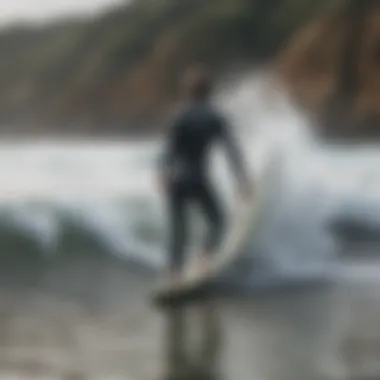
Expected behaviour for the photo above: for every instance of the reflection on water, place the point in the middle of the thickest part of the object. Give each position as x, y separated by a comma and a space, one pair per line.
274, 335
290, 334
186, 360
89, 315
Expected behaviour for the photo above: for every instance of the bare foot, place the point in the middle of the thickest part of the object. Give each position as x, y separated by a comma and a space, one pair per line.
173, 279
203, 265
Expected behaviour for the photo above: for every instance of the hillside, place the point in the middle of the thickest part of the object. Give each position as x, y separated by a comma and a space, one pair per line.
332, 66
120, 69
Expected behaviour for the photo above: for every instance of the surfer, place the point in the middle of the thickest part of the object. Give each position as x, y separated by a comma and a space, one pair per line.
184, 175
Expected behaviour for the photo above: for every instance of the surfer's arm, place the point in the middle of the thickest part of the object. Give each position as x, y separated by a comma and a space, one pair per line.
169, 150
234, 153
166, 156
235, 157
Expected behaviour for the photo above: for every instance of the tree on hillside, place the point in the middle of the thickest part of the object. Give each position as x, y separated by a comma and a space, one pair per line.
337, 115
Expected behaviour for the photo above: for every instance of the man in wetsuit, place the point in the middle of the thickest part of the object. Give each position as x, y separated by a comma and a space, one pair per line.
185, 175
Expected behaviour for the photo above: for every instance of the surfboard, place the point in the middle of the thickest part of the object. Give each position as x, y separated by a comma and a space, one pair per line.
243, 226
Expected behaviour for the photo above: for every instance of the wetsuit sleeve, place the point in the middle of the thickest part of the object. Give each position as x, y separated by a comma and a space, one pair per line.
169, 150
234, 153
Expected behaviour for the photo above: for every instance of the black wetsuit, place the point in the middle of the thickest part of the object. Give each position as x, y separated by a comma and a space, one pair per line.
190, 139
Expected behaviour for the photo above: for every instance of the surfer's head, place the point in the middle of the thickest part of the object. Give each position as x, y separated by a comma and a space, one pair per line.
197, 83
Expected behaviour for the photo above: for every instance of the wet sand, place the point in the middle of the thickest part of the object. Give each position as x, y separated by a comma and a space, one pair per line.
86, 316
76, 317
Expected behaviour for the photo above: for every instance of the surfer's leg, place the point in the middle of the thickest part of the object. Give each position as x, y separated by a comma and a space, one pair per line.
211, 206
178, 228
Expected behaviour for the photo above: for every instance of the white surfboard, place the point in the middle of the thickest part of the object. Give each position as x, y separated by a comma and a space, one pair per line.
246, 220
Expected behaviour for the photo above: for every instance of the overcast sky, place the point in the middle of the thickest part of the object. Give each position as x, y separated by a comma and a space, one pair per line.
40, 10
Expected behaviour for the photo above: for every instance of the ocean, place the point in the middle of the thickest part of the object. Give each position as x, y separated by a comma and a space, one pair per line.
83, 236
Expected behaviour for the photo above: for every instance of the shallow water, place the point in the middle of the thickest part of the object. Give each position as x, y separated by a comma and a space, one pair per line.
87, 316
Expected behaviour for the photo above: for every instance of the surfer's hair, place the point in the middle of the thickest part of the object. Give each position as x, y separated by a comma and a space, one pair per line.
197, 82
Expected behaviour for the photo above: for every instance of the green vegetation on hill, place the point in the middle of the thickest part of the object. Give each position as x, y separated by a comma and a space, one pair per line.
121, 69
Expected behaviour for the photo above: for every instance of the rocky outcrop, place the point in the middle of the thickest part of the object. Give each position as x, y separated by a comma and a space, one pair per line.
332, 66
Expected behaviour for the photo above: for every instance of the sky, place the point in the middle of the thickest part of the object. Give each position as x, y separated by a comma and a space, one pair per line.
44, 10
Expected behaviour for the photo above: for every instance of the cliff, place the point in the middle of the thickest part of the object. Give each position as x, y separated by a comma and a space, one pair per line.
119, 71
332, 66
